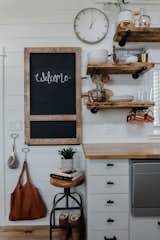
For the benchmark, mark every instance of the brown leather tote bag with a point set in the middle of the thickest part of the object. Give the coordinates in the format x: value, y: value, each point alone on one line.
x: 26, y: 202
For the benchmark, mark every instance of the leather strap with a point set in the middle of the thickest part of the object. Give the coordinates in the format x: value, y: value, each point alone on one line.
x: 24, y: 168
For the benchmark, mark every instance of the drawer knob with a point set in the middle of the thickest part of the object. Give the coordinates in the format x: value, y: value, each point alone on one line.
x: 110, y: 183
x: 110, y: 165
x: 114, y: 238
x: 110, y: 220
x: 110, y: 202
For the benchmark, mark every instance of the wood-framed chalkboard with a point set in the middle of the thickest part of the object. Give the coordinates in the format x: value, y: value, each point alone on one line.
x: 52, y: 96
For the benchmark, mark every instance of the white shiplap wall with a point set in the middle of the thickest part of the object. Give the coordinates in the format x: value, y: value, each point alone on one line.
x: 49, y: 23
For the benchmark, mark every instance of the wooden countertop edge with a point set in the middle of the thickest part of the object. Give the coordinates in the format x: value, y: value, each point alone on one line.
x: 122, y: 151
x: 133, y: 156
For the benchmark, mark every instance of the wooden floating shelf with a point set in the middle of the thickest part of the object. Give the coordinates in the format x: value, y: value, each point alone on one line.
x: 110, y: 105
x: 138, y: 34
x: 119, y: 68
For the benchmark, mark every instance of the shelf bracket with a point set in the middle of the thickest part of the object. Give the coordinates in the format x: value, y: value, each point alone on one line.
x: 123, y: 40
x: 137, y: 74
x: 139, y: 108
x: 94, y: 71
x: 95, y: 110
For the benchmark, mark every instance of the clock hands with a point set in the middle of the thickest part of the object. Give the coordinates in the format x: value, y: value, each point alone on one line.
x: 92, y: 23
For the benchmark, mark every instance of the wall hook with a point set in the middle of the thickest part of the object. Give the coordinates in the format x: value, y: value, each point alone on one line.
x: 25, y: 150
x: 13, y: 161
x: 14, y: 136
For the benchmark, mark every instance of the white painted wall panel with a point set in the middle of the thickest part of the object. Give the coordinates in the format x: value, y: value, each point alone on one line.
x: 49, y: 23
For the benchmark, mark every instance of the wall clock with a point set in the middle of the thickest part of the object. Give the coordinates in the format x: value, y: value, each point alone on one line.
x: 91, y: 25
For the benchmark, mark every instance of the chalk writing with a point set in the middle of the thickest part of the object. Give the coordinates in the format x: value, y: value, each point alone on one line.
x: 48, y: 77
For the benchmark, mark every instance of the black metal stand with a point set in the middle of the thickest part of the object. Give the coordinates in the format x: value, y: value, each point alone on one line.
x: 76, y: 197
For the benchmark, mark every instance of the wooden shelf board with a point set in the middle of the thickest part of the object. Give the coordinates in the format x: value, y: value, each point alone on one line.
x: 119, y: 68
x: 138, y: 34
x: 110, y: 105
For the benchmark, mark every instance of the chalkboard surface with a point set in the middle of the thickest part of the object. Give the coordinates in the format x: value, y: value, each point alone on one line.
x: 53, y: 129
x: 52, y: 96
x: 53, y: 83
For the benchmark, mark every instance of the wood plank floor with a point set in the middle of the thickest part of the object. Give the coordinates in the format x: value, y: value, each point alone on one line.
x: 28, y: 233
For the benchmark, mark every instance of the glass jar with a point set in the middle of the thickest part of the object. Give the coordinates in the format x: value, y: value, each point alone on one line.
x: 145, y: 21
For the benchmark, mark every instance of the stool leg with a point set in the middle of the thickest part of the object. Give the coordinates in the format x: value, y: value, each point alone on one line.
x: 50, y: 227
x: 52, y: 218
x: 67, y: 194
x: 80, y: 204
x: 52, y: 214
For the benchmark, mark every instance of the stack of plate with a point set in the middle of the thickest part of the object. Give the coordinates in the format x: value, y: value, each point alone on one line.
x: 121, y: 98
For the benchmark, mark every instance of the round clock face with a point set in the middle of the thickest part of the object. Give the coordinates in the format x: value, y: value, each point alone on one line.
x: 91, y: 25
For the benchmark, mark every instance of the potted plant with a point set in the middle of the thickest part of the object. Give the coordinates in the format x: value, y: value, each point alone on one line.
x: 67, y: 159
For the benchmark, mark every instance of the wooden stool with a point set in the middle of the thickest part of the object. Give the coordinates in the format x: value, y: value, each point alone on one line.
x: 67, y: 194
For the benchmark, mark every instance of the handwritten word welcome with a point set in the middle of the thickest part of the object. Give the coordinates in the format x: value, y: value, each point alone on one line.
x: 52, y: 78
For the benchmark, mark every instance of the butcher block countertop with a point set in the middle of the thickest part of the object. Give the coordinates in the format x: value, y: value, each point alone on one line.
x: 122, y: 150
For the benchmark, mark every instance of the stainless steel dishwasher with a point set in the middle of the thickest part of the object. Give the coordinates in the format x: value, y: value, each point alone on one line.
x: 145, y: 187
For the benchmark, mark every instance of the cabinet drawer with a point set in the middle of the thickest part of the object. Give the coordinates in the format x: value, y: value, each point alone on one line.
x: 113, y: 235
x: 149, y: 230
x: 108, y: 184
x: 108, y: 202
x: 108, y: 167
x: 108, y: 221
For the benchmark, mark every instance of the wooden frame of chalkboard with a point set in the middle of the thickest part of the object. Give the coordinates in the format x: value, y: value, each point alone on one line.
x: 52, y: 96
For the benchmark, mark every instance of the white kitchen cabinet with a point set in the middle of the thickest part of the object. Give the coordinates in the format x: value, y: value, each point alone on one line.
x: 115, y: 235
x: 107, y: 199
x: 108, y: 167
x: 108, y: 184
x: 145, y: 228
x: 108, y: 202
x: 108, y: 221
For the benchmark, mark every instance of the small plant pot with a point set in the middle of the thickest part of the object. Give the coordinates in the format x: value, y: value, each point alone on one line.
x: 66, y: 165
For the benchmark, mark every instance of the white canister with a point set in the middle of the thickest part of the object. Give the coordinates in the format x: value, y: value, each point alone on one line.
x: 98, y: 56
x: 67, y: 165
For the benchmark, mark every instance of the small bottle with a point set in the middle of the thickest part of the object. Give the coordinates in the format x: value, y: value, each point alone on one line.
x: 136, y: 13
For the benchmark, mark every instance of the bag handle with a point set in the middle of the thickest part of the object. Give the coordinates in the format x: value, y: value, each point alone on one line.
x: 24, y: 168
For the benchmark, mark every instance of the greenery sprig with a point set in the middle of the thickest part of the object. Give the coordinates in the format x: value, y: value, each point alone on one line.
x: 119, y: 3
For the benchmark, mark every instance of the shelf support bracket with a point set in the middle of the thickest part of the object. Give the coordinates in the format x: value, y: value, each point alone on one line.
x: 94, y: 71
x: 139, y: 108
x: 137, y: 74
x: 123, y: 40
x: 95, y: 110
